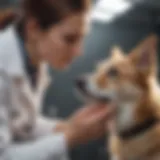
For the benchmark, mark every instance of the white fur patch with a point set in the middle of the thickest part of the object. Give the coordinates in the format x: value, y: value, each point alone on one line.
x: 114, y: 157
x: 125, y: 116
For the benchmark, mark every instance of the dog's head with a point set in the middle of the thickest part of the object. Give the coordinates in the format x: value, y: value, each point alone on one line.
x: 122, y: 77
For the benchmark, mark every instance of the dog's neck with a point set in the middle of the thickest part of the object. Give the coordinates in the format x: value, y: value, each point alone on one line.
x: 127, y: 108
x: 125, y: 115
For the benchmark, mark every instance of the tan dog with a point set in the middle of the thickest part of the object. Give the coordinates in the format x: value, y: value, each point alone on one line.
x: 130, y: 81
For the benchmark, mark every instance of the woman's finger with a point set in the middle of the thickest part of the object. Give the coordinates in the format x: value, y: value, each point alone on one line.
x: 91, y: 109
x: 102, y: 115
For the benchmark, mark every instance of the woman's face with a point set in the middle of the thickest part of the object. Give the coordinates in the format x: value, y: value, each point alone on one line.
x: 62, y: 43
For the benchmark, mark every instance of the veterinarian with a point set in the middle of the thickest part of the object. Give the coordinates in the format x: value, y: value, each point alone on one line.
x: 44, y: 32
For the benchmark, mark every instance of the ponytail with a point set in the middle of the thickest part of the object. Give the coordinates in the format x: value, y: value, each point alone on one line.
x: 7, y: 16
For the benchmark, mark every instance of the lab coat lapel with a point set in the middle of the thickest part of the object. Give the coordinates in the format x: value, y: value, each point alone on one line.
x: 16, y: 69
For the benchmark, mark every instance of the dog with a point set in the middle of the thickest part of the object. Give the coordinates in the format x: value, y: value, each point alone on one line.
x: 130, y: 82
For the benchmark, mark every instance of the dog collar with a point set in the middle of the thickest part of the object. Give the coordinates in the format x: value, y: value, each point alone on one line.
x: 138, y: 129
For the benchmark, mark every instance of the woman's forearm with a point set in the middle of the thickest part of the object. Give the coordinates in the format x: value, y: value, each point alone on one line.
x: 50, y: 146
x: 47, y: 148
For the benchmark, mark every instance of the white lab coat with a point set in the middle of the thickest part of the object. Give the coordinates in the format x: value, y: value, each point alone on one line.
x: 39, y: 141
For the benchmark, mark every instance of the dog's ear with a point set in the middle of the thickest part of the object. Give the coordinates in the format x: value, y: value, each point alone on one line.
x: 116, y: 52
x: 144, y: 56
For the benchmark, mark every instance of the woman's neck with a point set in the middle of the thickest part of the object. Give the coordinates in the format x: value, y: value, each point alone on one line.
x: 33, y: 56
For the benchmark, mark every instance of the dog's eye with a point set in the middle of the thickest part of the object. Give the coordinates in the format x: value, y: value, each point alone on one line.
x: 113, y: 72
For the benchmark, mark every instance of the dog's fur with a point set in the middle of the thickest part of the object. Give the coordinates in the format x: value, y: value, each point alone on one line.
x: 130, y: 81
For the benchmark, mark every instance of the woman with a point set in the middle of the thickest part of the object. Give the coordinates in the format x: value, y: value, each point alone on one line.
x: 46, y: 32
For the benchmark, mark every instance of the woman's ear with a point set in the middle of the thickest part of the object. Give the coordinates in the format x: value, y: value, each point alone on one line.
x: 144, y: 56
x: 33, y: 29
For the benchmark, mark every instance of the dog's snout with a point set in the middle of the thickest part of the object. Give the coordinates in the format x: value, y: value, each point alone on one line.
x: 80, y: 83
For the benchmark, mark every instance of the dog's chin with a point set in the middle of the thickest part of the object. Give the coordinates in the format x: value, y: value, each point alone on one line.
x: 86, y: 96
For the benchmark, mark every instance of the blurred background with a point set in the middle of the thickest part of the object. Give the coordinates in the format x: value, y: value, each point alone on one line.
x: 114, y: 22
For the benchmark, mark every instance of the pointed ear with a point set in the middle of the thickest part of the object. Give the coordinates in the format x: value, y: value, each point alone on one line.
x: 117, y: 52
x: 144, y: 56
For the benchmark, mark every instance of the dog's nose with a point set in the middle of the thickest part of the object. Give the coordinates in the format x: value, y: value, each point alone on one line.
x: 80, y: 83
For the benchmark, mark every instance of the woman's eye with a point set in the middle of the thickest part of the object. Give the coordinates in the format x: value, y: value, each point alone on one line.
x: 70, y: 39
x: 113, y: 72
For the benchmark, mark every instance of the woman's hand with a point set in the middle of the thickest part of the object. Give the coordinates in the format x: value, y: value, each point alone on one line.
x: 88, y: 123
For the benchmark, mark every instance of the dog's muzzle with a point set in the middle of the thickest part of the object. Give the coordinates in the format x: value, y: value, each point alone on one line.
x: 81, y: 86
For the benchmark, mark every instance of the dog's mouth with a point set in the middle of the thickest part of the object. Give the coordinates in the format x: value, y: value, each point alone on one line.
x: 86, y: 95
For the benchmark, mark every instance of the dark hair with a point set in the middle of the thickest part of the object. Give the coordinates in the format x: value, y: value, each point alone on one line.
x: 46, y: 12
x: 7, y: 16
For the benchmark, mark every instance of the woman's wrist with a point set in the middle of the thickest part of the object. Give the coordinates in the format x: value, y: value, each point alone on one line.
x: 65, y: 128
x: 60, y: 127
x: 71, y: 137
